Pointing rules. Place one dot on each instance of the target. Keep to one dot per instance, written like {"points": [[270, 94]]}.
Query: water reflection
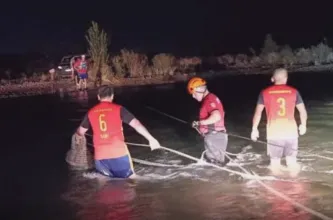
{"points": [[280, 208], [218, 198], [112, 201], [100, 200], [80, 97]]}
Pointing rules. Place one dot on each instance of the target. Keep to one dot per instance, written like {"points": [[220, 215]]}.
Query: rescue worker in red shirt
{"points": [[211, 120], [111, 155], [280, 101], [81, 66]]}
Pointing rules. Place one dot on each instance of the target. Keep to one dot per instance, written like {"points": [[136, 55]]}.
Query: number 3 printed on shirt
{"points": [[282, 105], [102, 123]]}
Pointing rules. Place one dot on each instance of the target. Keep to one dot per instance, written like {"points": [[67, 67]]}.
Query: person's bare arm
{"points": [[128, 118], [257, 116], [84, 126], [81, 131], [302, 113], [136, 124], [301, 109], [258, 111], [214, 117]]}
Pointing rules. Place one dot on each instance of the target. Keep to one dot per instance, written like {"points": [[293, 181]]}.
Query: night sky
{"points": [[179, 27]]}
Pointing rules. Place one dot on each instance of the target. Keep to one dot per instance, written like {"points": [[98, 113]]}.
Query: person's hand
{"points": [[154, 144], [302, 129], [195, 124], [254, 134]]}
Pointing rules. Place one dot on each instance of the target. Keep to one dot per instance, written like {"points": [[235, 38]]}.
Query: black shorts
{"points": [[278, 148]]}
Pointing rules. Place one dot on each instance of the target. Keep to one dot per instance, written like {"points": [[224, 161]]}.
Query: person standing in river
{"points": [[211, 121], [280, 101], [112, 157]]}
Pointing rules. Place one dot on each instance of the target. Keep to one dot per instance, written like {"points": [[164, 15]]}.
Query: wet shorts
{"points": [[120, 167], [83, 75], [215, 146], [282, 147]]}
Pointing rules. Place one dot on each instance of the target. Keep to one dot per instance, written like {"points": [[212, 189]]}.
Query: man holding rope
{"points": [[112, 157], [280, 101], [211, 120]]}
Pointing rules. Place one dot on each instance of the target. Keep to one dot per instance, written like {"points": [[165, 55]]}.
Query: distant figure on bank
{"points": [[280, 101], [211, 120], [81, 66], [74, 71], [112, 157]]}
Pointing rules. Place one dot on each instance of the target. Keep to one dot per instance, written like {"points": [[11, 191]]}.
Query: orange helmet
{"points": [[194, 83]]}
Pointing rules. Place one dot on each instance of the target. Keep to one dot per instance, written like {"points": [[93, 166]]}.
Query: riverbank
{"points": [[12, 89]]}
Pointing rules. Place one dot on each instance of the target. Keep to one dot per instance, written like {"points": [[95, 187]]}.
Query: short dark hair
{"points": [[105, 91]]}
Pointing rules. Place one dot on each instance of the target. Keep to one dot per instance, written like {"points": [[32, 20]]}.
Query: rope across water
{"points": [[246, 174], [235, 135]]}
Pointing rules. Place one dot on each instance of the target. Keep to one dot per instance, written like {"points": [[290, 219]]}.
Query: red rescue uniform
{"points": [[81, 66], [210, 103], [280, 102], [106, 120]]}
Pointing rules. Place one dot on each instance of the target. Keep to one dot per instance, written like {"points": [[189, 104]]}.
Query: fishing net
{"points": [[79, 157]]}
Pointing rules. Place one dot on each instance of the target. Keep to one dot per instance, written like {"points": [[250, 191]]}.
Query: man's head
{"points": [[105, 93], [83, 57], [280, 76], [197, 87]]}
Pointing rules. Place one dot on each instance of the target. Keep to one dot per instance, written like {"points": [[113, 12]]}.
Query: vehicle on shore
{"points": [[65, 66]]}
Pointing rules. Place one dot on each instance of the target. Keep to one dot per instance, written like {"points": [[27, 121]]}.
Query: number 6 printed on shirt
{"points": [[102, 123]]}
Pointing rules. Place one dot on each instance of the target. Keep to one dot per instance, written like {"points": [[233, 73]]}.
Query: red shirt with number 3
{"points": [[280, 102]]}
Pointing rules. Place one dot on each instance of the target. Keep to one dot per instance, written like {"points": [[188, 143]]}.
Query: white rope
{"points": [[245, 174], [151, 163], [248, 174], [185, 122], [330, 152], [281, 195], [313, 212], [170, 116], [257, 178], [155, 164], [195, 159], [320, 156]]}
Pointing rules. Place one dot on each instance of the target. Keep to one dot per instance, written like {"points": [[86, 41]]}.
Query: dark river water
{"points": [[36, 182]]}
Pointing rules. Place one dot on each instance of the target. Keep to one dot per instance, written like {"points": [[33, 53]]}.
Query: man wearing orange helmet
{"points": [[211, 120]]}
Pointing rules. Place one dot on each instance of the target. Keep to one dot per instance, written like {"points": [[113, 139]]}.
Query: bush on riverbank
{"points": [[130, 64], [272, 55]]}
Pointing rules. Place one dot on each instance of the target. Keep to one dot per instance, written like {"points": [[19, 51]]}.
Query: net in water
{"points": [[79, 157]]}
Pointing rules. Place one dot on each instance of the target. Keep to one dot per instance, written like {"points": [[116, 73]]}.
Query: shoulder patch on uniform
{"points": [[213, 105]]}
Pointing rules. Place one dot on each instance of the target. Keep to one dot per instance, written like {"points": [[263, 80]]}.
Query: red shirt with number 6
{"points": [[280, 102], [106, 120]]}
